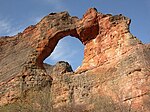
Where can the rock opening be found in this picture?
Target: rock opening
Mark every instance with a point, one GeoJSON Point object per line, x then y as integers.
{"type": "Point", "coordinates": [68, 49]}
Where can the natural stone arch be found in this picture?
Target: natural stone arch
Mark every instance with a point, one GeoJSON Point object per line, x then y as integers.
{"type": "Point", "coordinates": [94, 30]}
{"type": "Point", "coordinates": [38, 41]}
{"type": "Point", "coordinates": [91, 30]}
{"type": "Point", "coordinates": [65, 25]}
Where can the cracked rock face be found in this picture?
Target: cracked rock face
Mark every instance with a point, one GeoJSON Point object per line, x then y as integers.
{"type": "Point", "coordinates": [114, 74]}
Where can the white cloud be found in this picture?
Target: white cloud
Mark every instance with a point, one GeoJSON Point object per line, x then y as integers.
{"type": "Point", "coordinates": [15, 31]}
{"type": "Point", "coordinates": [62, 52]}
{"type": "Point", "coordinates": [65, 51]}
{"type": "Point", "coordinates": [7, 28]}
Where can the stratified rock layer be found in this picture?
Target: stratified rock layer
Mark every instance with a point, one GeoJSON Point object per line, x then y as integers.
{"type": "Point", "coordinates": [114, 75]}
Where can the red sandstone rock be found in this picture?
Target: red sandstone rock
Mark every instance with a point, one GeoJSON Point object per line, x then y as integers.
{"type": "Point", "coordinates": [114, 75]}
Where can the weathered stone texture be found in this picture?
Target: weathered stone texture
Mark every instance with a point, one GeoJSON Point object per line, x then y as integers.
{"type": "Point", "coordinates": [114, 75]}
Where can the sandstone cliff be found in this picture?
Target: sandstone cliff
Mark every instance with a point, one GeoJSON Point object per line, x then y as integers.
{"type": "Point", "coordinates": [114, 75]}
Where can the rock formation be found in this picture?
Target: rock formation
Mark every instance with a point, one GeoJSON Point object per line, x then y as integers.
{"type": "Point", "coordinates": [114, 75]}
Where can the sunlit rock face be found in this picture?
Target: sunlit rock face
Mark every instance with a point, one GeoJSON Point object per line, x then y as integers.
{"type": "Point", "coordinates": [113, 77]}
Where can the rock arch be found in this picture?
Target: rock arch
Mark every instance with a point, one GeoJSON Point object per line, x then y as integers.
{"type": "Point", "coordinates": [54, 27]}
{"type": "Point", "coordinates": [91, 30]}
{"type": "Point", "coordinates": [98, 32]}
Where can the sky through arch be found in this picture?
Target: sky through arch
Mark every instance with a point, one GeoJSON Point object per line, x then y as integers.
{"type": "Point", "coordinates": [68, 49]}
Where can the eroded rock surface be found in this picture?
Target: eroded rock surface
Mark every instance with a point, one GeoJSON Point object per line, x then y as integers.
{"type": "Point", "coordinates": [114, 75]}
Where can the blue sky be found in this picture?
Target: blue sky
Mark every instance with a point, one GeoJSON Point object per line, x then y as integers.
{"type": "Point", "coordinates": [16, 15]}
